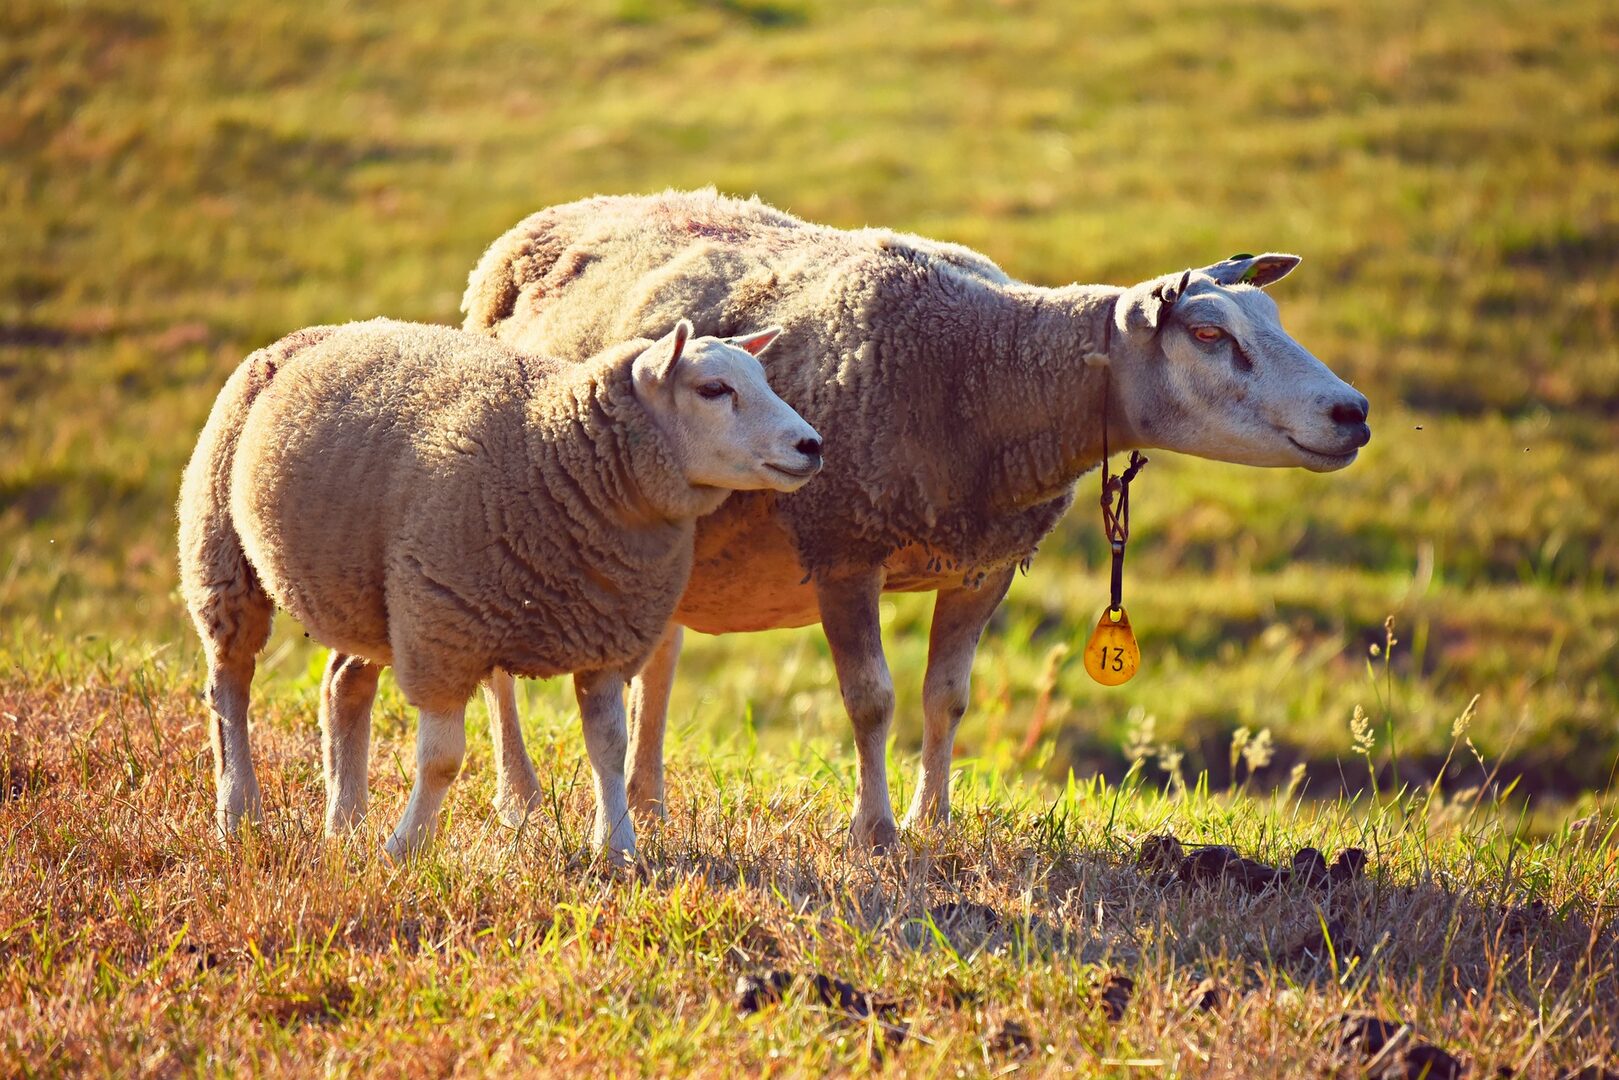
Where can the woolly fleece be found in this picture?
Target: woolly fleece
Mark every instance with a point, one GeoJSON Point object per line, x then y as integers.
{"type": "Point", "coordinates": [435, 500]}
{"type": "Point", "coordinates": [956, 412]}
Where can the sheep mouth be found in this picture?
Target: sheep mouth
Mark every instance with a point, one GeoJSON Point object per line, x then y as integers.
{"type": "Point", "coordinates": [803, 473]}
{"type": "Point", "coordinates": [1330, 459]}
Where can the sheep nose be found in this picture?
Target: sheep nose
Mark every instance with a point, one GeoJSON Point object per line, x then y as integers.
{"type": "Point", "coordinates": [1351, 412]}
{"type": "Point", "coordinates": [810, 448]}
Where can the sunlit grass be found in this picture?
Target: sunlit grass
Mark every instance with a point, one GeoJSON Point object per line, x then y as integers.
{"type": "Point", "coordinates": [132, 934]}
{"type": "Point", "coordinates": [184, 184]}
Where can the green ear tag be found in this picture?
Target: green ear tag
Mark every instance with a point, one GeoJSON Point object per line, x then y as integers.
{"type": "Point", "coordinates": [1111, 655]}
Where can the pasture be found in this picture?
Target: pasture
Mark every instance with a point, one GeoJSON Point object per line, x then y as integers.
{"type": "Point", "coordinates": [182, 183]}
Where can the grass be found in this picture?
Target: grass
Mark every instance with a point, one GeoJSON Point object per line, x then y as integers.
{"type": "Point", "coordinates": [188, 182]}
{"type": "Point", "coordinates": [181, 183]}
{"type": "Point", "coordinates": [134, 942]}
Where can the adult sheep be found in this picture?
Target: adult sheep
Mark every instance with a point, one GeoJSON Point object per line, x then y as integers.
{"type": "Point", "coordinates": [959, 408]}
{"type": "Point", "coordinates": [432, 499]}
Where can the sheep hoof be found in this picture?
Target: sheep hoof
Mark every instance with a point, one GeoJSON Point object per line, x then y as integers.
{"type": "Point", "coordinates": [514, 811]}
{"type": "Point", "coordinates": [616, 859]}
{"type": "Point", "coordinates": [925, 819]}
{"type": "Point", "coordinates": [228, 821]}
{"type": "Point", "coordinates": [647, 804]}
{"type": "Point", "coordinates": [343, 820]}
{"type": "Point", "coordinates": [880, 836]}
{"type": "Point", "coordinates": [397, 851]}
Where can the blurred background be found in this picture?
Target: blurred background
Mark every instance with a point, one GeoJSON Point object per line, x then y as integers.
{"type": "Point", "coordinates": [181, 183]}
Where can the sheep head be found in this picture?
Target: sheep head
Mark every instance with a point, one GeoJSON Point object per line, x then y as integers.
{"type": "Point", "coordinates": [1202, 365]}
{"type": "Point", "coordinates": [710, 398]}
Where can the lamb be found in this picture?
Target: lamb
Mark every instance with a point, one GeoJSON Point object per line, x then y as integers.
{"type": "Point", "coordinates": [437, 501]}
{"type": "Point", "coordinates": [959, 406]}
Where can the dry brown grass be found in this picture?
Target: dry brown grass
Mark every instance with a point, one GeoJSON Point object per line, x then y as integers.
{"type": "Point", "coordinates": [131, 942]}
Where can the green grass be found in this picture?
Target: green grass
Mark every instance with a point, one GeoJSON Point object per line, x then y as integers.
{"type": "Point", "coordinates": [182, 183]}
{"type": "Point", "coordinates": [185, 184]}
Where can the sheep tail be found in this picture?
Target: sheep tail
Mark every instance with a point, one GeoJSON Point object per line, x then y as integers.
{"type": "Point", "coordinates": [221, 589]}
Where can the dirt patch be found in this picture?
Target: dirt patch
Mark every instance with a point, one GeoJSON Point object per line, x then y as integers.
{"type": "Point", "coordinates": [320, 1004]}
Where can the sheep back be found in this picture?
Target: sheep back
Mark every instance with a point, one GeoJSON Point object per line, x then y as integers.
{"type": "Point", "coordinates": [876, 324]}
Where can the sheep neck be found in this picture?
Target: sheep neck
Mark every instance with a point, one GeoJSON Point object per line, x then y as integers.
{"type": "Point", "coordinates": [1049, 432]}
{"type": "Point", "coordinates": [618, 457]}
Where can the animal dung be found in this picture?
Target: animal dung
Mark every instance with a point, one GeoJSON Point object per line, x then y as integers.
{"type": "Point", "coordinates": [1310, 867]}
{"type": "Point", "coordinates": [1011, 1039]}
{"type": "Point", "coordinates": [755, 992]}
{"type": "Point", "coordinates": [1160, 853]}
{"type": "Point", "coordinates": [954, 911]}
{"type": "Point", "coordinates": [951, 994]}
{"type": "Point", "coordinates": [1520, 919]}
{"type": "Point", "coordinates": [1207, 996]}
{"type": "Point", "coordinates": [1210, 865]}
{"type": "Point", "coordinates": [1390, 1050]}
{"type": "Point", "coordinates": [1320, 942]}
{"type": "Point", "coordinates": [1116, 992]}
{"type": "Point", "coordinates": [1350, 864]}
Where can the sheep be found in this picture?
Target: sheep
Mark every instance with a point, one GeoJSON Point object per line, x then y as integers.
{"type": "Point", "coordinates": [960, 406]}
{"type": "Point", "coordinates": [437, 501]}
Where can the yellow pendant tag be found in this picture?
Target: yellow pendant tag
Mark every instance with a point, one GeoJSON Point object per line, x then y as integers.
{"type": "Point", "coordinates": [1111, 655]}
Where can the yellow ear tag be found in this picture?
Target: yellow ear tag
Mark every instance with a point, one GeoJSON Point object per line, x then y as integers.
{"type": "Point", "coordinates": [1111, 655]}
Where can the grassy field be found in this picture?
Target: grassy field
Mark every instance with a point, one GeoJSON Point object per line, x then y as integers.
{"type": "Point", "coordinates": [181, 183]}
{"type": "Point", "coordinates": [132, 942]}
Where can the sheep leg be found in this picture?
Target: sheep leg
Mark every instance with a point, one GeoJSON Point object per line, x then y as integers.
{"type": "Point", "coordinates": [849, 617]}
{"type": "Point", "coordinates": [959, 618]}
{"type": "Point", "coordinates": [517, 789]}
{"type": "Point", "coordinates": [347, 691]}
{"type": "Point", "coordinates": [649, 715]}
{"type": "Point", "coordinates": [601, 708]}
{"type": "Point", "coordinates": [441, 743]}
{"type": "Point", "coordinates": [233, 618]}
{"type": "Point", "coordinates": [236, 786]}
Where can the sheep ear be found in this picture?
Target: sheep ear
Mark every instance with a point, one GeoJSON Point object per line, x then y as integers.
{"type": "Point", "coordinates": [756, 342]}
{"type": "Point", "coordinates": [1258, 270]}
{"type": "Point", "coordinates": [1144, 306]}
{"type": "Point", "coordinates": [1138, 310]}
{"type": "Point", "coordinates": [659, 360]}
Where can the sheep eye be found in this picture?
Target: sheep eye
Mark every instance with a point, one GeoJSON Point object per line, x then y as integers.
{"type": "Point", "coordinates": [1208, 334]}
{"type": "Point", "coordinates": [712, 390]}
